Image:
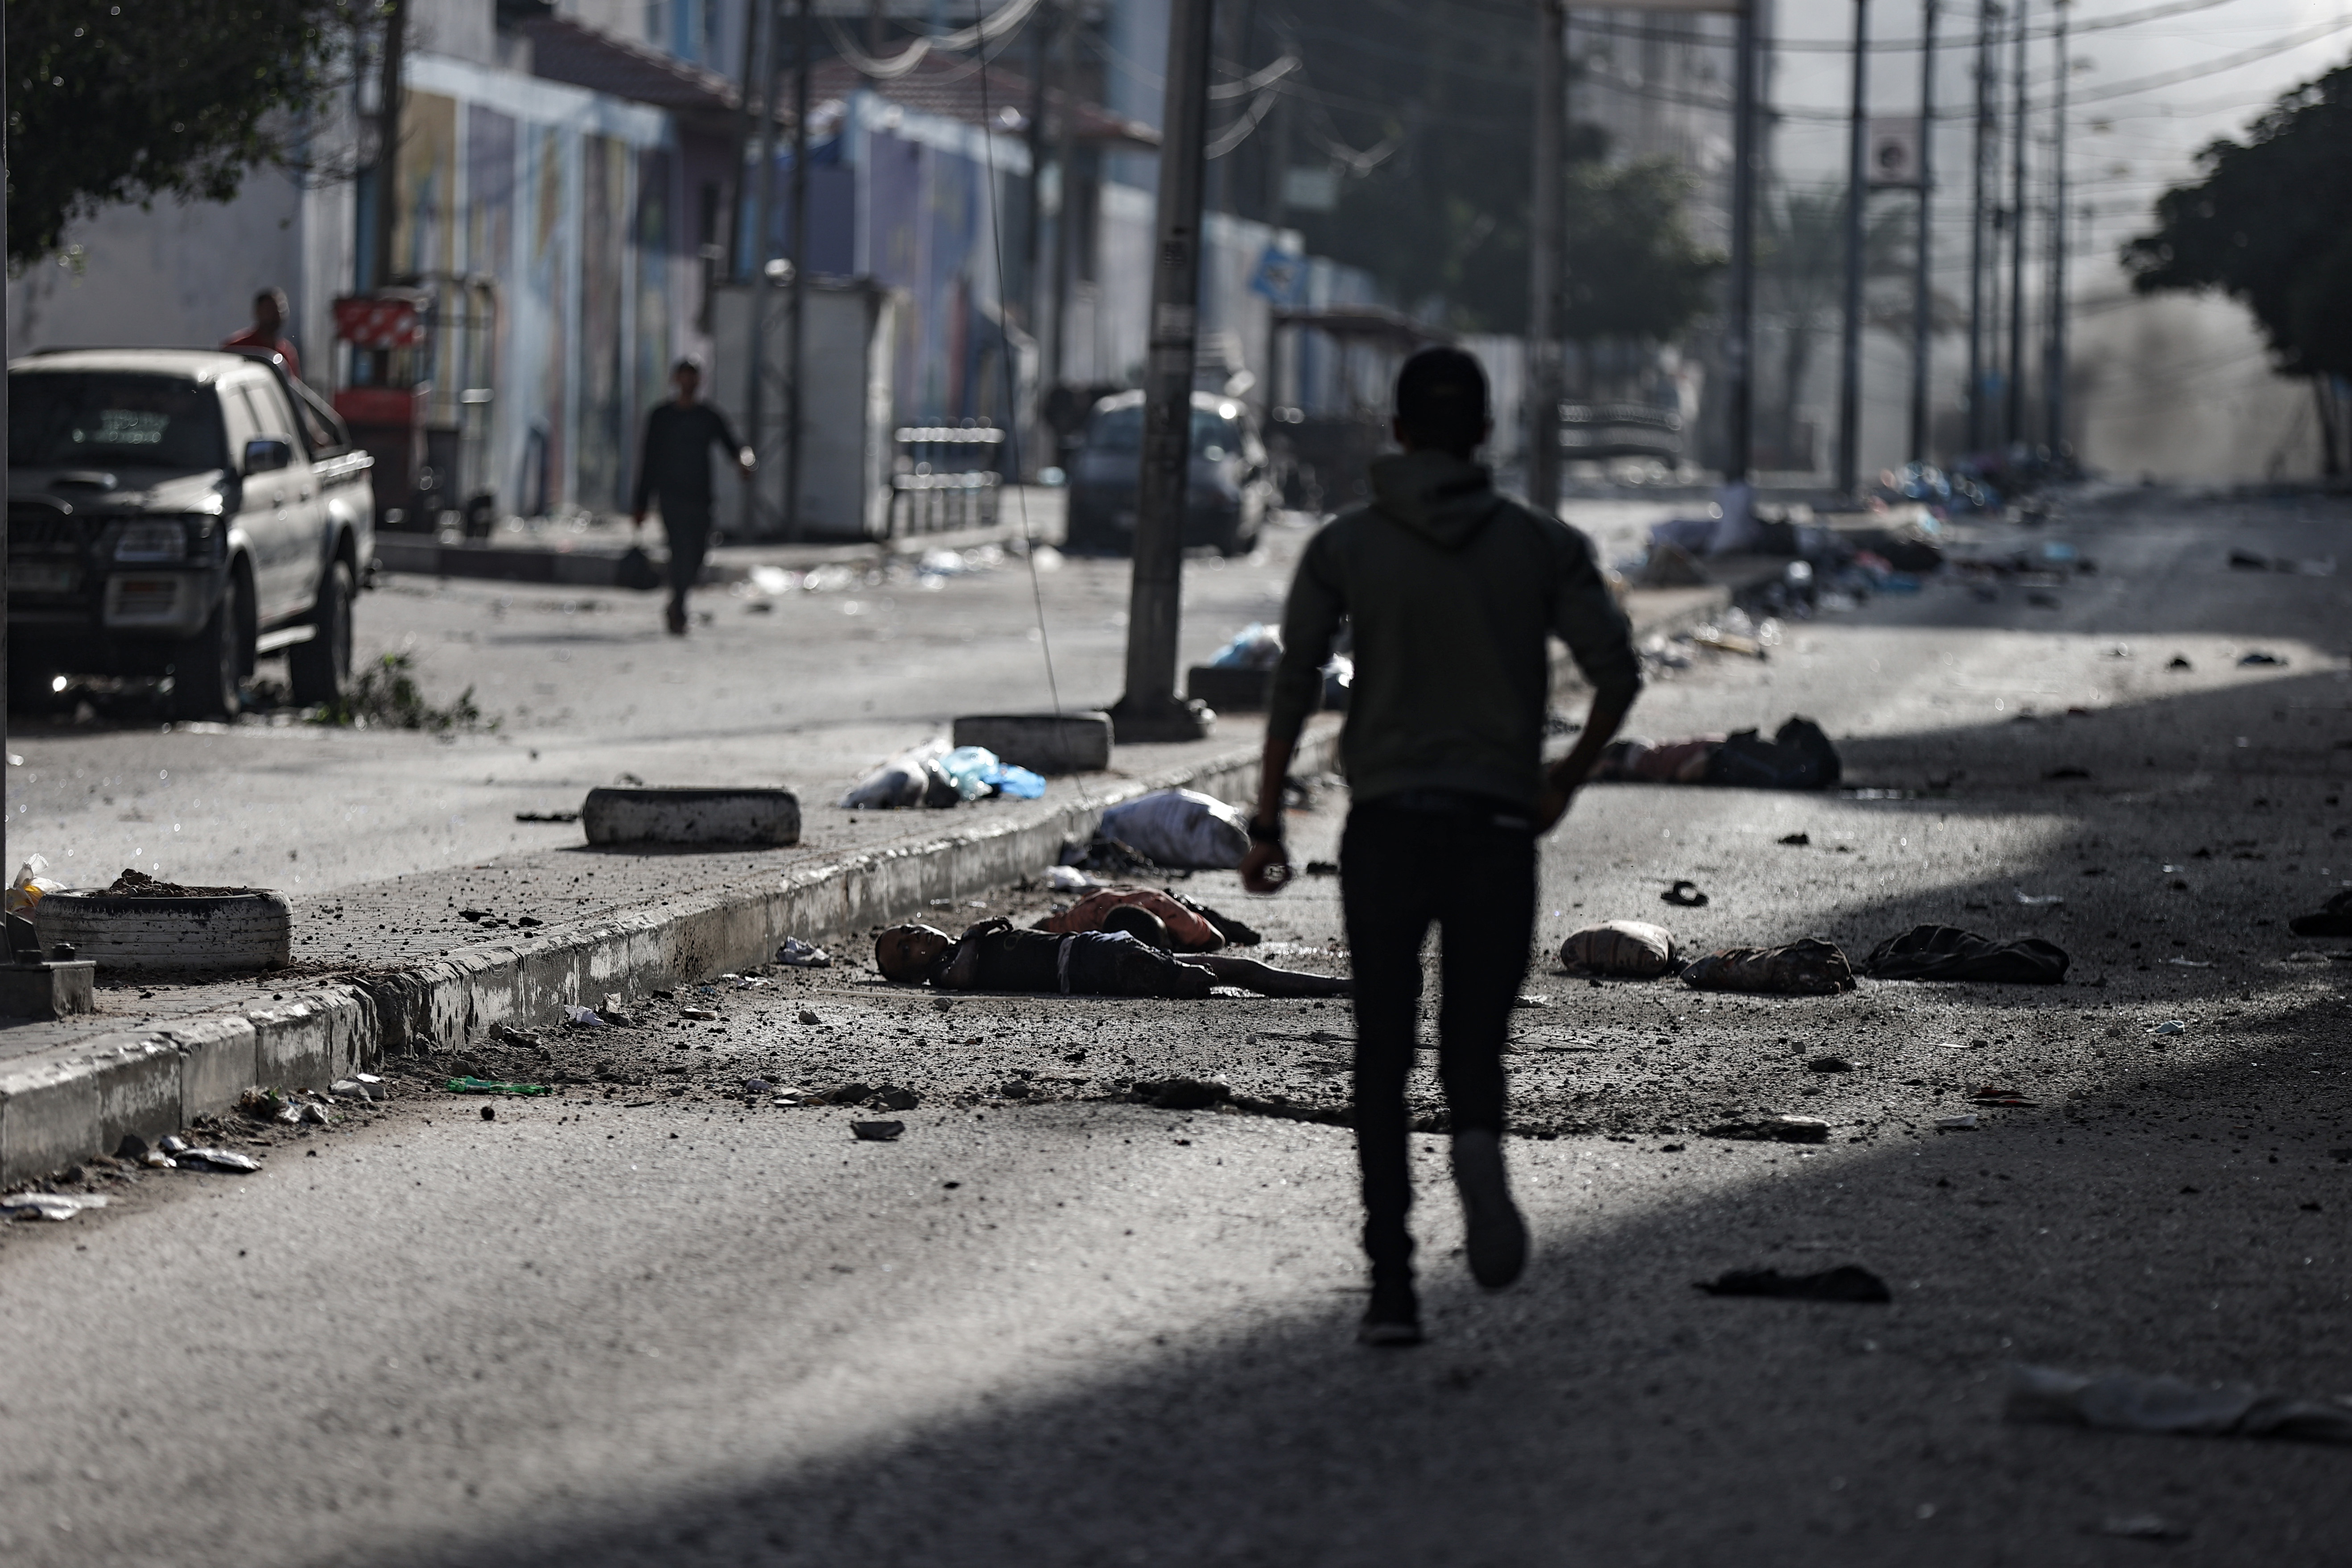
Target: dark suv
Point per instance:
(182, 514)
(1226, 489)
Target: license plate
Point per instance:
(35, 579)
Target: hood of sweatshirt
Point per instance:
(1437, 495)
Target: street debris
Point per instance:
(360, 1086)
(2143, 1527)
(50, 1205)
(1809, 966)
(1774, 1130)
(1180, 1093)
(1255, 647)
(1322, 867)
(2169, 1026)
(808, 1016)
(797, 954)
(1796, 840)
(490, 1113)
(1685, 895)
(1846, 1282)
(33, 883)
(472, 1084)
(1966, 1123)
(2135, 1402)
(582, 1017)
(385, 695)
(877, 1132)
(547, 817)
(1993, 1094)
(1800, 756)
(2333, 917)
(1634, 950)
(1829, 1064)
(2039, 899)
(2259, 659)
(2308, 566)
(1948, 953)
(698, 1015)
(1068, 879)
(2180, 962)
(217, 1159)
(932, 774)
(2179, 661)
(1182, 828)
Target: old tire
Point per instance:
(320, 669)
(212, 934)
(208, 665)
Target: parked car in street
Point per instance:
(1227, 491)
(180, 513)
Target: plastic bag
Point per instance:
(31, 886)
(1255, 647)
(1181, 828)
(975, 770)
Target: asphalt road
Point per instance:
(641, 1321)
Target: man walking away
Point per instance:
(1452, 591)
(675, 468)
(270, 313)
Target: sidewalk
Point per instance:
(587, 554)
(393, 967)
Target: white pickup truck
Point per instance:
(183, 513)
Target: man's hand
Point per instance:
(1566, 776)
(1265, 868)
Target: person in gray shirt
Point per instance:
(1454, 593)
(674, 466)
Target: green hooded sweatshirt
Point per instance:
(1452, 591)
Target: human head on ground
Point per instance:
(1140, 924)
(908, 953)
(686, 375)
(270, 313)
(1441, 403)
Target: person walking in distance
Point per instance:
(1454, 592)
(675, 469)
(268, 330)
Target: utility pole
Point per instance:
(1981, 153)
(2054, 395)
(2013, 424)
(1739, 308)
(1544, 259)
(804, 44)
(1033, 225)
(1151, 710)
(763, 202)
(387, 146)
(1857, 198)
(1922, 302)
(3, 452)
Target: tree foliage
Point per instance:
(118, 100)
(1633, 270)
(2270, 224)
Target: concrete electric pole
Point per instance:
(1544, 259)
(1857, 202)
(1151, 710)
(1922, 299)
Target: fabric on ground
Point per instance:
(1948, 953)
(1809, 966)
(1634, 950)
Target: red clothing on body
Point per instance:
(251, 338)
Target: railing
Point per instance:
(944, 477)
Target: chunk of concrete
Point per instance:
(709, 818)
(1042, 742)
(48, 990)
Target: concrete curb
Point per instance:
(62, 1106)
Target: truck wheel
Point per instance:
(205, 673)
(321, 668)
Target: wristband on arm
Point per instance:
(1265, 832)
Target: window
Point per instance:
(64, 419)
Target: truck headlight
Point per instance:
(153, 542)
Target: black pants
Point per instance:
(688, 528)
(1472, 871)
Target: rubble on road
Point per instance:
(797, 954)
(1773, 1130)
(1846, 1282)
(50, 1205)
(1809, 966)
(877, 1132)
(2135, 1401)
(1948, 953)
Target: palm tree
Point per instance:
(1802, 278)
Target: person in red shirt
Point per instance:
(269, 321)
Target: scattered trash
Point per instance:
(1992, 1094)
(33, 883)
(1846, 1282)
(877, 1132)
(490, 1113)
(2191, 962)
(1255, 647)
(699, 1015)
(977, 773)
(1069, 880)
(1181, 827)
(2134, 1401)
(1633, 949)
(797, 954)
(1948, 953)
(808, 1016)
(1685, 895)
(1957, 1124)
(354, 1088)
(2260, 659)
(2143, 1527)
(218, 1159)
(1774, 1130)
(1797, 840)
(50, 1205)
(173, 1143)
(471, 1085)
(582, 1017)
(2334, 918)
(2039, 899)
(1829, 1064)
(1180, 1094)
(2171, 1026)
(1809, 966)
(2179, 661)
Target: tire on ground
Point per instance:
(208, 665)
(320, 669)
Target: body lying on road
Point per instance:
(995, 955)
